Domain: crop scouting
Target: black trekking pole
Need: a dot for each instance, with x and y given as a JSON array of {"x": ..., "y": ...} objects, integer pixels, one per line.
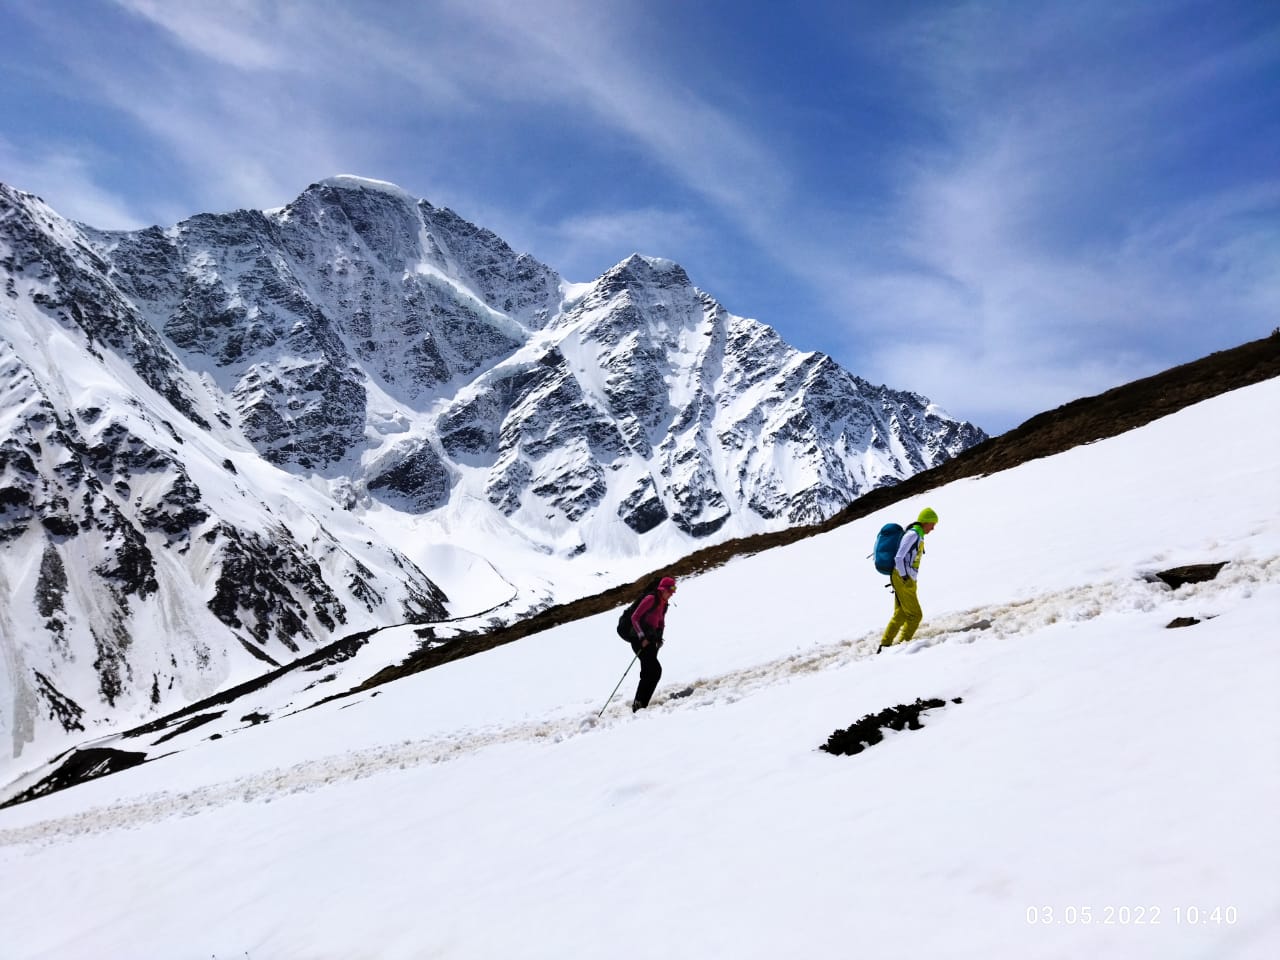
[{"x": 620, "y": 679}]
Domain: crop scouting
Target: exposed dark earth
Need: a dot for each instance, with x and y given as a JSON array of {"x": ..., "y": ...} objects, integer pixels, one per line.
[{"x": 870, "y": 729}]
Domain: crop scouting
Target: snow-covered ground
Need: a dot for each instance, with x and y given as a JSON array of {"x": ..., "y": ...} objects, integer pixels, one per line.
[{"x": 1106, "y": 787}]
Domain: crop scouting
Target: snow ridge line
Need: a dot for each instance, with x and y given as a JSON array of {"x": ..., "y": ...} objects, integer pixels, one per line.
[{"x": 1007, "y": 620}]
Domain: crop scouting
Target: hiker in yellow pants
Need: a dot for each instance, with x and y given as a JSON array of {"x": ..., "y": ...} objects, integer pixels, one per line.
[{"x": 906, "y": 572}]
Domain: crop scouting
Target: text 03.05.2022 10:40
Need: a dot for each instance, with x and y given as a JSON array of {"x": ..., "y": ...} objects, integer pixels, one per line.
[{"x": 1131, "y": 916}]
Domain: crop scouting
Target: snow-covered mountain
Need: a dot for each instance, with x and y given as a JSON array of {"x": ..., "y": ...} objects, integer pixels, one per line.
[{"x": 226, "y": 442}]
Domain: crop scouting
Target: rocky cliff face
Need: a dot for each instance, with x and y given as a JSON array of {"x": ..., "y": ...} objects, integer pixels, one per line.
[
  {"x": 646, "y": 402},
  {"x": 351, "y": 288},
  {"x": 196, "y": 423}
]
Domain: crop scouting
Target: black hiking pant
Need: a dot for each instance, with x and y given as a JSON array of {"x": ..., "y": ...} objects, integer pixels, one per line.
[{"x": 650, "y": 672}]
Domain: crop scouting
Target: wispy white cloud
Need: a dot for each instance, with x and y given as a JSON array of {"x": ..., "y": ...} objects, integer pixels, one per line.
[
  {"x": 235, "y": 121},
  {"x": 994, "y": 308},
  {"x": 234, "y": 32},
  {"x": 61, "y": 172},
  {"x": 1038, "y": 248},
  {"x": 1029, "y": 237},
  {"x": 580, "y": 55},
  {"x": 584, "y": 239},
  {"x": 287, "y": 82},
  {"x": 337, "y": 47},
  {"x": 255, "y": 99}
]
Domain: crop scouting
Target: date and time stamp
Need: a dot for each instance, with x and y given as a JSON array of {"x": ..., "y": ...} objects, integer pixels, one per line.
[{"x": 1136, "y": 915}]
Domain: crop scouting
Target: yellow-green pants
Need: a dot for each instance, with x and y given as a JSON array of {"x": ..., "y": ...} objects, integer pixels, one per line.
[{"x": 906, "y": 611}]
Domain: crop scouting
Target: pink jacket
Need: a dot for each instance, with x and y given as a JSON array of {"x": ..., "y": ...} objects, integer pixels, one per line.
[{"x": 650, "y": 616}]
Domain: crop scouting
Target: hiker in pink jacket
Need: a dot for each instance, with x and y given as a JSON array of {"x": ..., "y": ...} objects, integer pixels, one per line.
[{"x": 647, "y": 623}]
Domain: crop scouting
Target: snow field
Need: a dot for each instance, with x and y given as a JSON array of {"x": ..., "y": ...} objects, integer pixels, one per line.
[{"x": 1100, "y": 764}]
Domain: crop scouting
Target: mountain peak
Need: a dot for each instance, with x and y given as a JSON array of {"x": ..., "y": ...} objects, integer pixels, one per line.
[
  {"x": 645, "y": 270},
  {"x": 348, "y": 181}
]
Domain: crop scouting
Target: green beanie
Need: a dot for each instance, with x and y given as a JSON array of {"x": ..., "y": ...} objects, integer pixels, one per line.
[{"x": 927, "y": 515}]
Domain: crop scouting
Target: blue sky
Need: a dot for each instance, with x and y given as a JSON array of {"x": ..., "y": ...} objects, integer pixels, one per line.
[{"x": 1000, "y": 205}]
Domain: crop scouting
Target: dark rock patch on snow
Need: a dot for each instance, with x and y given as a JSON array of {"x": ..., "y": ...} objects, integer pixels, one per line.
[
  {"x": 1192, "y": 573},
  {"x": 191, "y": 724},
  {"x": 80, "y": 767},
  {"x": 870, "y": 729}
]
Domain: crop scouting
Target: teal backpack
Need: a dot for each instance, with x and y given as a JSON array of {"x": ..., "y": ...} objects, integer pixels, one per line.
[{"x": 887, "y": 542}]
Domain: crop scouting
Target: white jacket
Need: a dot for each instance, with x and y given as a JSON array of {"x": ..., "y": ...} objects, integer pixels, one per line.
[{"x": 907, "y": 560}]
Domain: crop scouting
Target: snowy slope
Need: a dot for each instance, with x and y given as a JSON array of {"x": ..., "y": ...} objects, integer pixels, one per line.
[{"x": 1106, "y": 786}]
